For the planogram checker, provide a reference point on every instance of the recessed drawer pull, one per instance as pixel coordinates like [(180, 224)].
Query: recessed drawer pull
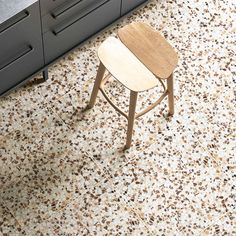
[(62, 10), (59, 30), (21, 53), (19, 17)]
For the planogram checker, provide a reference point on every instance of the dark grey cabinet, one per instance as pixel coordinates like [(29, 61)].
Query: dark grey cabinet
[(21, 50), (68, 10), (32, 39), (128, 5), (84, 20)]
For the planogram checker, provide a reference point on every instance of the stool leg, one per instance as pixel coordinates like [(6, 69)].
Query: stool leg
[(170, 88), (98, 80), (131, 117)]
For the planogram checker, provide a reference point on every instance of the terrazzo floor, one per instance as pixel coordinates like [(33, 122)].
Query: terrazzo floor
[(63, 170)]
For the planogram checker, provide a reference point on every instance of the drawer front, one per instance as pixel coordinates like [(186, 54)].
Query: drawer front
[(69, 10), (48, 5), (24, 62), (128, 5), (63, 37), (21, 51), (23, 28)]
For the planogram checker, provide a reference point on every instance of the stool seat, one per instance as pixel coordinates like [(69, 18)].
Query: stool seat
[(150, 48), (125, 67)]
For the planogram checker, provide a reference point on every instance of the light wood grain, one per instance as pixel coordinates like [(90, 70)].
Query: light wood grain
[(170, 89), (150, 47), (98, 80), (131, 117), (124, 66)]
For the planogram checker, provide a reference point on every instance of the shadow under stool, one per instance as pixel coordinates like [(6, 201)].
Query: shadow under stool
[(140, 60)]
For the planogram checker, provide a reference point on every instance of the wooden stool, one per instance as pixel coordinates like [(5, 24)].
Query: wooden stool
[(127, 68)]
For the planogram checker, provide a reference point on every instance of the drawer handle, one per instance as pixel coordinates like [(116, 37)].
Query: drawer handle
[(19, 17), (61, 11), (59, 30), (24, 51)]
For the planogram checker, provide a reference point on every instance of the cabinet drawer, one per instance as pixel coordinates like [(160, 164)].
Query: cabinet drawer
[(21, 51), (128, 5), (69, 10), (22, 29), (19, 65), (68, 34)]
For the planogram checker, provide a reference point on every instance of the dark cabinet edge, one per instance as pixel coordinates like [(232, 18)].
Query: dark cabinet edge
[(140, 5)]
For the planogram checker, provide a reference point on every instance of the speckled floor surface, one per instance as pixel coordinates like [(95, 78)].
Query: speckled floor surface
[(63, 171)]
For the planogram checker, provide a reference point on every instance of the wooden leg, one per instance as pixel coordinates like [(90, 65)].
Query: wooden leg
[(170, 88), (45, 74), (131, 117), (99, 77)]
